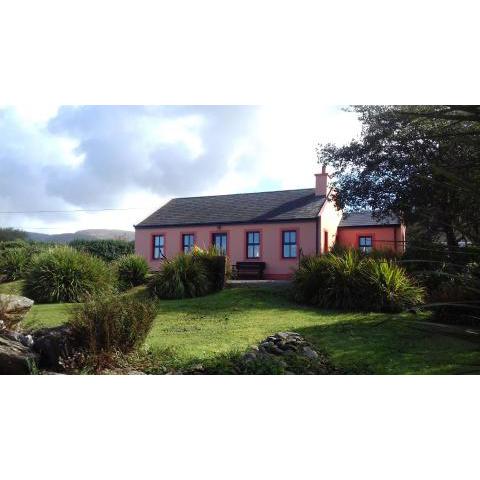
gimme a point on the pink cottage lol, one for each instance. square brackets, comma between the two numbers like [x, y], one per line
[272, 228]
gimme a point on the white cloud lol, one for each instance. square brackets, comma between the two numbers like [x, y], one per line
[122, 157]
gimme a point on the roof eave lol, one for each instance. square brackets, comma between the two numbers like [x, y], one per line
[209, 224]
[371, 225]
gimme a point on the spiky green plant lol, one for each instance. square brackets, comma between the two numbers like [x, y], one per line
[310, 278]
[343, 289]
[64, 274]
[14, 263]
[389, 287]
[131, 271]
[351, 281]
[181, 277]
[217, 266]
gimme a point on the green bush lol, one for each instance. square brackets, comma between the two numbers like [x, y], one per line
[330, 281]
[351, 281]
[131, 271]
[64, 274]
[181, 277]
[14, 263]
[113, 323]
[107, 250]
[390, 289]
[456, 297]
[6, 245]
[216, 266]
[12, 234]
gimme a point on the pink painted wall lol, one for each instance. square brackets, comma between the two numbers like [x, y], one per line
[383, 237]
[270, 243]
[329, 219]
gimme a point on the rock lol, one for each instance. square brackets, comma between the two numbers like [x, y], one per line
[310, 353]
[15, 358]
[249, 357]
[276, 351]
[26, 340]
[292, 353]
[54, 344]
[13, 309]
[118, 371]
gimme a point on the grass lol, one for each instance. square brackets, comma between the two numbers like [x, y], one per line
[206, 328]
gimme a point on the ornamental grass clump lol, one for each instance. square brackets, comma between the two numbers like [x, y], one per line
[181, 277]
[216, 265]
[111, 324]
[390, 289]
[352, 281]
[131, 271]
[64, 274]
[14, 263]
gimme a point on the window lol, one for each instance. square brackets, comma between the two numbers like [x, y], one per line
[219, 241]
[289, 244]
[188, 241]
[253, 244]
[158, 246]
[365, 244]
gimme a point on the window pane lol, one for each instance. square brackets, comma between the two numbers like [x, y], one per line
[286, 250]
[256, 251]
[220, 241]
[293, 237]
[368, 241]
[250, 237]
[250, 251]
[256, 238]
[362, 241]
[161, 240]
[293, 251]
[188, 242]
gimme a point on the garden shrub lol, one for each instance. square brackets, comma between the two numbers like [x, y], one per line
[330, 281]
[352, 281]
[389, 287]
[181, 277]
[216, 266]
[7, 244]
[131, 271]
[64, 274]
[456, 298]
[112, 324]
[451, 279]
[13, 263]
[107, 250]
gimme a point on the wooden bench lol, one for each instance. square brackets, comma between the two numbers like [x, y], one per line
[248, 270]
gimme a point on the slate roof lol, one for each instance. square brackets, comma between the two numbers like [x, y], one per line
[365, 219]
[260, 207]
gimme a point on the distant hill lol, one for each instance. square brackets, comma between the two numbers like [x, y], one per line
[93, 234]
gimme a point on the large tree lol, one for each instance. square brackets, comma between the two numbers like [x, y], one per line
[420, 163]
[7, 234]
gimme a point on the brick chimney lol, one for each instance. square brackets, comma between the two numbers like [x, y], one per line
[321, 182]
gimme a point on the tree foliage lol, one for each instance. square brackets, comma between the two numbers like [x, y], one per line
[108, 250]
[9, 234]
[420, 163]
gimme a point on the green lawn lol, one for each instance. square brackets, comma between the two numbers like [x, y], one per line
[230, 321]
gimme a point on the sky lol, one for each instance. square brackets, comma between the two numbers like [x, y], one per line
[133, 159]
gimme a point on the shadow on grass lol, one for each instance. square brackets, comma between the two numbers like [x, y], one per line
[392, 346]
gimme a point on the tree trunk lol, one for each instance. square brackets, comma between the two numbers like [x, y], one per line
[451, 240]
